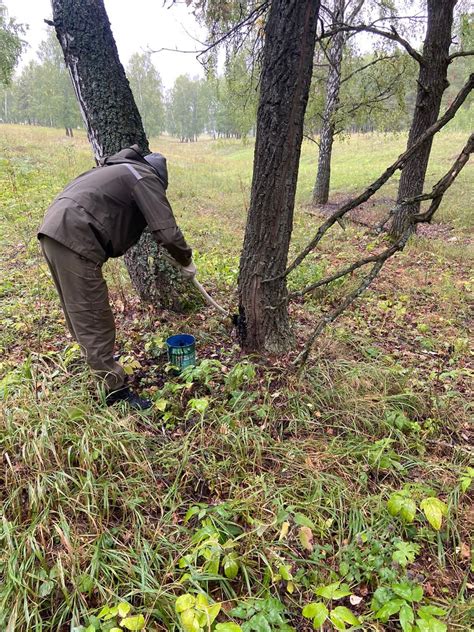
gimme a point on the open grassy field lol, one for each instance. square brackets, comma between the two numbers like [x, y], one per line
[251, 490]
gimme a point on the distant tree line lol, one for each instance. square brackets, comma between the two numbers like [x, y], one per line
[376, 93]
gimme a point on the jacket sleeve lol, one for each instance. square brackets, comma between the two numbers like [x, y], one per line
[149, 194]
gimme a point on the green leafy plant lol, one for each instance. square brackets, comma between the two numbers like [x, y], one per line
[195, 613]
[403, 505]
[114, 619]
[465, 480]
[320, 611]
[398, 419]
[213, 552]
[381, 456]
[241, 374]
[401, 600]
[375, 559]
[262, 615]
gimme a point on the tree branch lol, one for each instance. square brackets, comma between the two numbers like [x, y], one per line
[372, 63]
[351, 297]
[461, 53]
[249, 19]
[368, 28]
[436, 195]
[398, 164]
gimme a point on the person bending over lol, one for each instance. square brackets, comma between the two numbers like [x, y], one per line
[101, 214]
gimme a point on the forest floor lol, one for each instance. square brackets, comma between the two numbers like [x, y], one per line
[276, 499]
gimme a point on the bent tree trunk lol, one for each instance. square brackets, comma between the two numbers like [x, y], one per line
[321, 186]
[113, 122]
[432, 82]
[285, 80]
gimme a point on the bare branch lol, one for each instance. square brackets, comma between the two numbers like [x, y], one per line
[249, 19]
[391, 35]
[381, 180]
[352, 296]
[372, 63]
[461, 53]
[339, 274]
[442, 185]
[436, 195]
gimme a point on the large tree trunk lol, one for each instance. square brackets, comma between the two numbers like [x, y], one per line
[432, 82]
[113, 122]
[321, 187]
[286, 75]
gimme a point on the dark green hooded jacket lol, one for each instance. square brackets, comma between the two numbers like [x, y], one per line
[103, 212]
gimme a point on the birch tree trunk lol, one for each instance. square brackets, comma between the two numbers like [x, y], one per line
[285, 80]
[432, 82]
[323, 178]
[113, 122]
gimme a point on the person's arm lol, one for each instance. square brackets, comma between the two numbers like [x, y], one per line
[149, 194]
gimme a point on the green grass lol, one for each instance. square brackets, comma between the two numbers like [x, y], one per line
[95, 501]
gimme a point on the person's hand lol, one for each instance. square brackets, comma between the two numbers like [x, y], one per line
[189, 271]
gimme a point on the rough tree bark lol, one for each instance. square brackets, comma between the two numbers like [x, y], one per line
[113, 122]
[290, 34]
[432, 82]
[333, 84]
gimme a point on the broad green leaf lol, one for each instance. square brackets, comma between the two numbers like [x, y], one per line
[408, 591]
[184, 602]
[320, 616]
[285, 572]
[192, 511]
[406, 618]
[124, 608]
[199, 405]
[134, 623]
[46, 589]
[316, 610]
[303, 521]
[259, 622]
[400, 504]
[466, 479]
[213, 611]
[231, 567]
[430, 624]
[85, 583]
[105, 610]
[394, 504]
[408, 510]
[334, 591]
[113, 612]
[390, 608]
[228, 627]
[160, 404]
[115, 629]
[434, 510]
[405, 553]
[434, 611]
[344, 614]
[202, 602]
[189, 621]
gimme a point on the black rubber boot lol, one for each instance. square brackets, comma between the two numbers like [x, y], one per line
[132, 399]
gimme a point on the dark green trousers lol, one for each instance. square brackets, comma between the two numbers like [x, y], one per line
[85, 301]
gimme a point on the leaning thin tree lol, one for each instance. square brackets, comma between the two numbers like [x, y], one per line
[112, 122]
[432, 82]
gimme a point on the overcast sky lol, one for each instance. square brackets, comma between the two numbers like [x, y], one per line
[136, 24]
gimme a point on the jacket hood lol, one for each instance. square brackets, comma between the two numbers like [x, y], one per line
[155, 162]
